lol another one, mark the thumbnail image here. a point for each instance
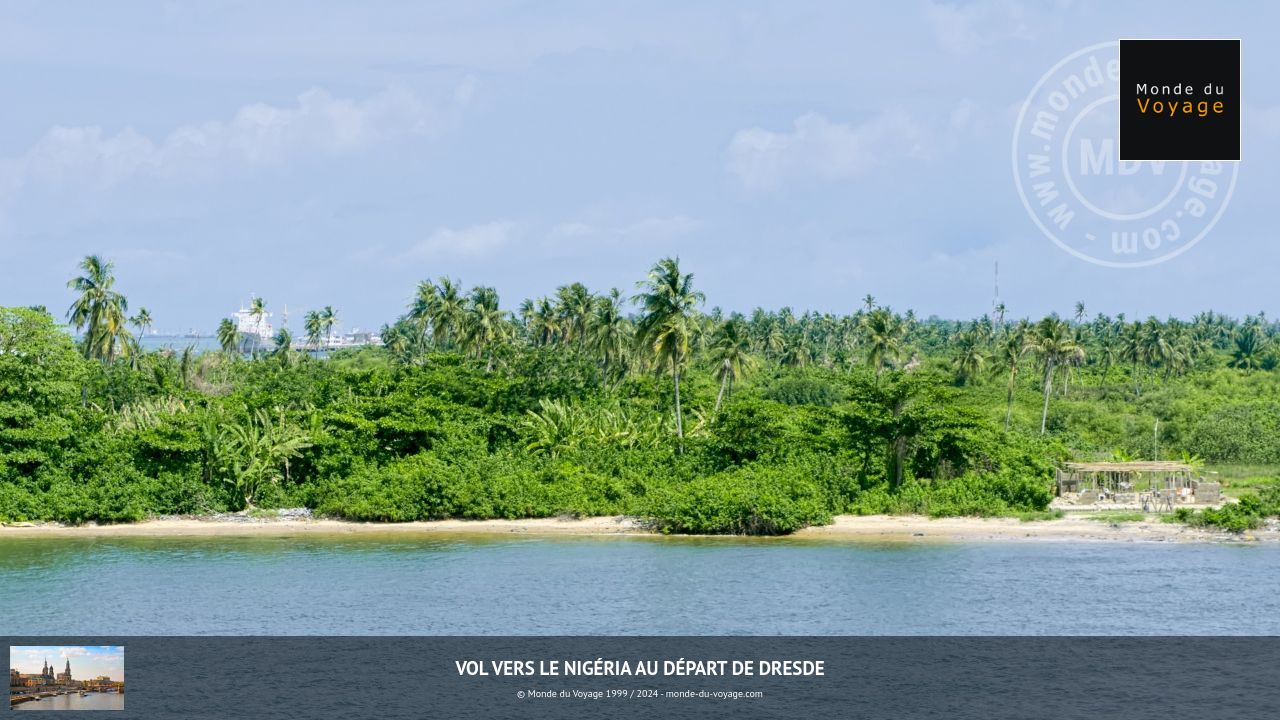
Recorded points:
(53, 677)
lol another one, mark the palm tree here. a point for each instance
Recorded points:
(1052, 341)
(283, 350)
(313, 325)
(1011, 350)
(541, 322)
(1080, 311)
(448, 313)
(484, 324)
(794, 353)
(1251, 347)
(328, 318)
(422, 309)
(668, 304)
(99, 310)
(185, 363)
(142, 321)
(1108, 350)
(970, 360)
(730, 353)
(258, 311)
(574, 304)
(395, 340)
(608, 330)
(1134, 349)
(228, 336)
(1158, 343)
(883, 333)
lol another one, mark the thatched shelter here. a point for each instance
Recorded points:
(1121, 481)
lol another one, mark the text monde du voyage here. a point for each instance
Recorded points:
(601, 667)
(1181, 99)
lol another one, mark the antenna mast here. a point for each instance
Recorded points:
(995, 297)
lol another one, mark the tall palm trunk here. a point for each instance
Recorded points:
(1048, 390)
(1008, 412)
(899, 460)
(675, 374)
(898, 448)
(724, 383)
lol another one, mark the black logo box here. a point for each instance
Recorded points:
(1186, 67)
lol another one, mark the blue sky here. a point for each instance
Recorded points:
(800, 154)
(86, 662)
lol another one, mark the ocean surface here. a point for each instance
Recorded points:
(178, 344)
(392, 585)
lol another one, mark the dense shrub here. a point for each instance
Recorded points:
(1238, 433)
(1247, 514)
(426, 487)
(805, 391)
(750, 430)
(978, 494)
(743, 501)
(410, 489)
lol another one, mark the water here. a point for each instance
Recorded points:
(92, 701)
(393, 585)
(199, 345)
(178, 344)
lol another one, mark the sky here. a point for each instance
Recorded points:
(86, 662)
(791, 154)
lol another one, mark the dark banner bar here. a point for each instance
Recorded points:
(692, 677)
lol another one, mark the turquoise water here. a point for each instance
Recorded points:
(178, 344)
(628, 585)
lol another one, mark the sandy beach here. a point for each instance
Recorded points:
(872, 528)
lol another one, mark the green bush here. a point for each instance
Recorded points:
(426, 487)
(979, 494)
(415, 488)
(805, 391)
(742, 501)
(1248, 514)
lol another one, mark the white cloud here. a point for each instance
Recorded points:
(465, 91)
(476, 241)
(964, 115)
(257, 135)
(817, 147)
(647, 229)
(954, 27)
(1264, 121)
(962, 28)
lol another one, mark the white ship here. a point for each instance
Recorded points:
(338, 341)
(254, 328)
(257, 332)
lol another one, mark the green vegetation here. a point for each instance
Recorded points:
(588, 403)
(1248, 514)
(1240, 480)
(1117, 516)
(1037, 515)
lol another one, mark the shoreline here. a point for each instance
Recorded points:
(851, 528)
